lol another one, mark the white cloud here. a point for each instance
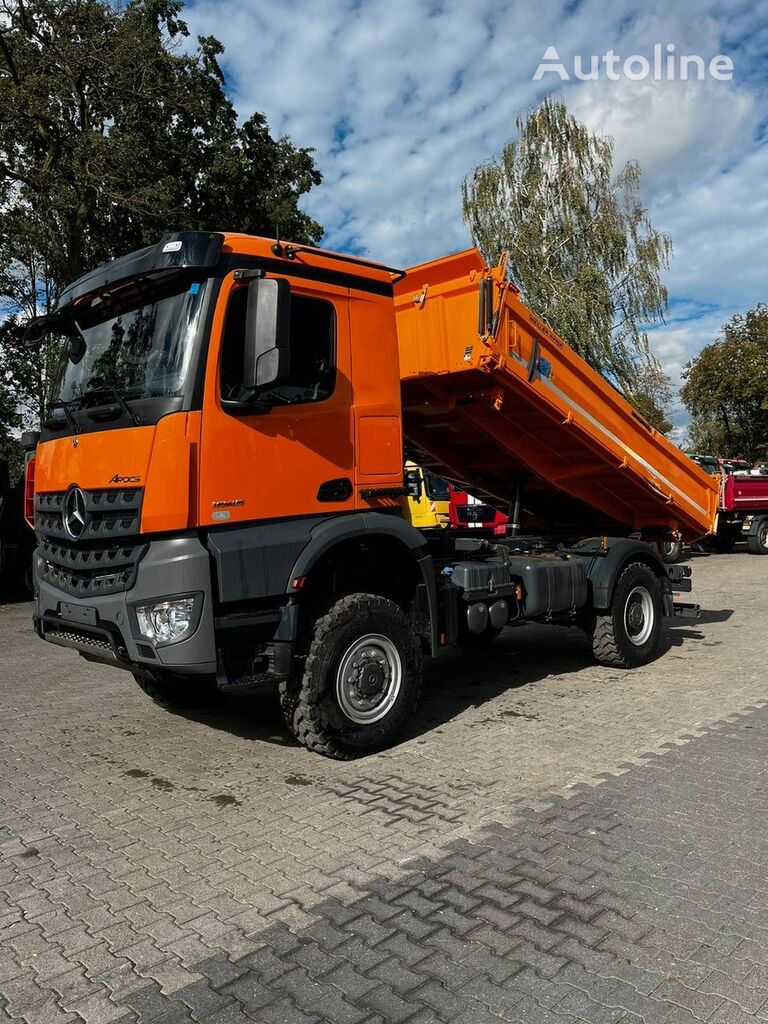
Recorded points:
(675, 342)
(668, 127)
(720, 226)
(402, 99)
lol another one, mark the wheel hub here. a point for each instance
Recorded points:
(639, 616)
(369, 676)
(368, 679)
(636, 618)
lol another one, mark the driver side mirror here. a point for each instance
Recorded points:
(266, 362)
(38, 328)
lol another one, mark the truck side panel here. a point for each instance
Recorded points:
(743, 494)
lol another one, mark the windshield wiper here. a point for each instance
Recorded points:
(53, 422)
(107, 389)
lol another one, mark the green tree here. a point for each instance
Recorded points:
(582, 247)
(652, 394)
(111, 133)
(726, 390)
(705, 436)
(10, 449)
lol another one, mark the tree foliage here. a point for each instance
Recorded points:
(726, 390)
(582, 247)
(652, 395)
(114, 130)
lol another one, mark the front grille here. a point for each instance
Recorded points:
(109, 513)
(90, 570)
(475, 513)
(105, 558)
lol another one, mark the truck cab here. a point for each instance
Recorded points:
(426, 504)
(468, 513)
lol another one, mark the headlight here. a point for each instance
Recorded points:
(167, 621)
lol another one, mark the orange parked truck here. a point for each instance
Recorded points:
(218, 486)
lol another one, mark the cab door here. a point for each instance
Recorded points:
(296, 458)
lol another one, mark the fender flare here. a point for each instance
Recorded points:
(754, 526)
(329, 534)
(604, 570)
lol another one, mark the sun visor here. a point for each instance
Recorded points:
(181, 250)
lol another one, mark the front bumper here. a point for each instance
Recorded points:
(103, 627)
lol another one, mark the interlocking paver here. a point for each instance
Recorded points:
(554, 842)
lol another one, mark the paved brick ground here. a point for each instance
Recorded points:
(552, 842)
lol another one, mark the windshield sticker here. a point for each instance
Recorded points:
(194, 288)
(172, 246)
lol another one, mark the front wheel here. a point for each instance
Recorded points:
(758, 542)
(627, 635)
(361, 680)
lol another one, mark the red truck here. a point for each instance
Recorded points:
(743, 512)
(742, 507)
(469, 513)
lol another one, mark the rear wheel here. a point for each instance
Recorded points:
(361, 679)
(758, 542)
(170, 692)
(628, 633)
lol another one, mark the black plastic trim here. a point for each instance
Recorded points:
(197, 249)
(754, 526)
(335, 490)
(383, 492)
(149, 410)
(605, 566)
(291, 251)
(312, 273)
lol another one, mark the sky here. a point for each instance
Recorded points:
(402, 99)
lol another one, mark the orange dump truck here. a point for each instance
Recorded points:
(218, 485)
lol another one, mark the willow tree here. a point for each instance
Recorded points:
(581, 245)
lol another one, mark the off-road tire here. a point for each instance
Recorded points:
(310, 705)
(611, 641)
(176, 693)
(758, 542)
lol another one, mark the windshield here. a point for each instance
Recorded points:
(436, 488)
(707, 463)
(138, 340)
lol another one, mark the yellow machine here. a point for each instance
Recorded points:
(427, 502)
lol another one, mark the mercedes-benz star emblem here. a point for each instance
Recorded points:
(74, 515)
